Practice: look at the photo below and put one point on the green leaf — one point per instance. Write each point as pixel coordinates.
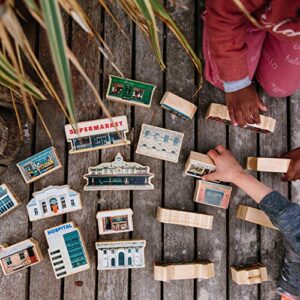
(57, 42)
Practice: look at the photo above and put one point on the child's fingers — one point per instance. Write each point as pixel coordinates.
(220, 149)
(213, 154)
(247, 115)
(232, 116)
(239, 117)
(261, 105)
(255, 113)
(211, 177)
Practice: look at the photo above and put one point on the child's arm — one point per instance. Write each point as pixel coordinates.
(283, 213)
(229, 170)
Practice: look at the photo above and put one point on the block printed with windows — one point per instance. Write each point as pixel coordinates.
(52, 201)
(114, 221)
(7, 200)
(160, 143)
(118, 175)
(125, 254)
(67, 251)
(19, 256)
(97, 134)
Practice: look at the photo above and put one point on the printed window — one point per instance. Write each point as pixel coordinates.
(63, 202)
(137, 250)
(36, 212)
(104, 251)
(72, 202)
(22, 256)
(44, 206)
(8, 261)
(129, 250)
(176, 141)
(166, 138)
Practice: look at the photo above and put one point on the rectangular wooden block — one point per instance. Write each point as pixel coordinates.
(264, 164)
(19, 256)
(160, 143)
(185, 270)
(248, 275)
(198, 165)
(211, 193)
(97, 134)
(39, 165)
(220, 112)
(115, 221)
(8, 201)
(124, 254)
(254, 215)
(184, 218)
(130, 91)
(178, 106)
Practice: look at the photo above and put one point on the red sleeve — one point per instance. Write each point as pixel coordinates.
(226, 31)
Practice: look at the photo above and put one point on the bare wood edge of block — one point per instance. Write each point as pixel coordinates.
(250, 274)
(220, 112)
(201, 220)
(183, 271)
(246, 213)
(265, 164)
(38, 252)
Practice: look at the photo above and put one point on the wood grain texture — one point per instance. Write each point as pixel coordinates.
(295, 139)
(143, 285)
(178, 190)
(114, 284)
(88, 55)
(55, 121)
(243, 237)
(273, 145)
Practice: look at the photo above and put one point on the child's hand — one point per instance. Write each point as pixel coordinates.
(293, 172)
(244, 106)
(227, 167)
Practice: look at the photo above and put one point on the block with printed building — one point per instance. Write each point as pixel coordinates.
(178, 106)
(264, 164)
(219, 112)
(184, 218)
(198, 165)
(184, 270)
(130, 91)
(211, 193)
(251, 274)
(8, 200)
(19, 256)
(67, 250)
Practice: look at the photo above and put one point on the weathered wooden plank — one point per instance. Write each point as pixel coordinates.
(114, 284)
(243, 237)
(272, 145)
(212, 244)
(82, 285)
(178, 190)
(55, 120)
(295, 139)
(143, 285)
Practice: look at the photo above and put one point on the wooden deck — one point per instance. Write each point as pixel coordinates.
(231, 241)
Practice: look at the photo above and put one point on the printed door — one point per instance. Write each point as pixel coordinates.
(31, 255)
(121, 259)
(53, 205)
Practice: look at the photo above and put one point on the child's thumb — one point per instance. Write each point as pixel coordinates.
(210, 177)
(262, 106)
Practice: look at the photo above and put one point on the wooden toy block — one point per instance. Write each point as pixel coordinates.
(39, 165)
(252, 274)
(53, 201)
(198, 165)
(118, 175)
(178, 106)
(97, 134)
(160, 143)
(185, 270)
(263, 164)
(68, 254)
(19, 256)
(211, 193)
(124, 254)
(8, 201)
(184, 218)
(254, 215)
(130, 91)
(115, 221)
(220, 112)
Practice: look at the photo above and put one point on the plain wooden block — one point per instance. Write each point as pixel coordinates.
(247, 275)
(264, 164)
(254, 215)
(178, 106)
(220, 112)
(181, 271)
(184, 218)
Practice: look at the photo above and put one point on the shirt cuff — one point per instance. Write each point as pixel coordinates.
(233, 86)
